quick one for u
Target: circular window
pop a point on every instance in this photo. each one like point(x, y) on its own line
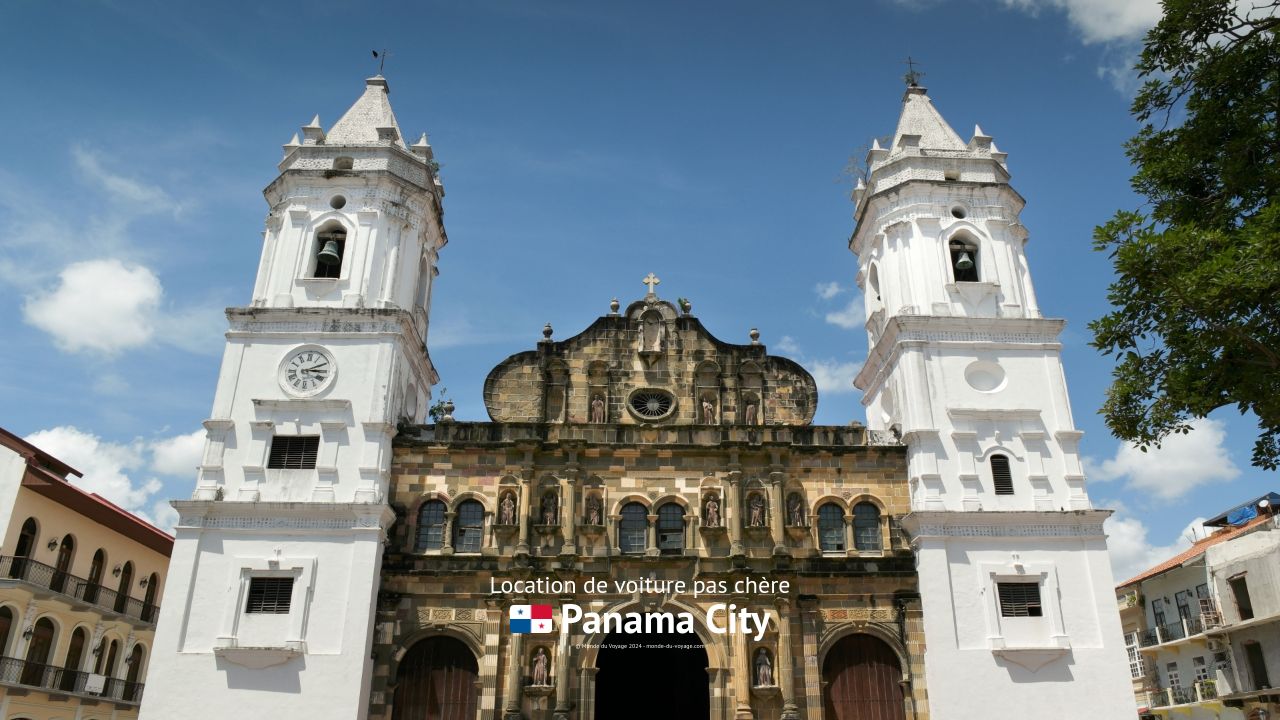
point(958, 212)
point(985, 376)
point(651, 404)
point(337, 202)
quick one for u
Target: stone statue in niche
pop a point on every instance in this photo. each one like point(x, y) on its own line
point(597, 409)
point(507, 510)
point(593, 510)
point(711, 513)
point(795, 508)
point(654, 334)
point(541, 670)
point(708, 412)
point(749, 413)
point(549, 514)
point(764, 669)
point(756, 518)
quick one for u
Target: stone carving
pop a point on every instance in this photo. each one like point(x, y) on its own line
point(708, 412)
point(507, 510)
point(749, 413)
point(597, 409)
point(655, 332)
point(550, 516)
point(756, 517)
point(711, 512)
point(764, 669)
point(541, 674)
point(594, 510)
point(795, 509)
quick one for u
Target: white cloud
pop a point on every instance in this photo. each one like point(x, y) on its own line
point(149, 198)
point(178, 455)
point(118, 471)
point(98, 305)
point(1131, 551)
point(1180, 464)
point(850, 317)
point(828, 290)
point(788, 345)
point(1099, 21)
point(833, 377)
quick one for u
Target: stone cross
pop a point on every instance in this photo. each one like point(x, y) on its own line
point(651, 280)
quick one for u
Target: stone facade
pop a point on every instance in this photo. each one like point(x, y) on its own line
point(569, 483)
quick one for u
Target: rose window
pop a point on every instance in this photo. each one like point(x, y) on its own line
point(651, 404)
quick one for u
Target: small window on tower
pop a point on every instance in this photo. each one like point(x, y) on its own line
point(1001, 476)
point(293, 452)
point(1019, 599)
point(964, 260)
point(329, 246)
point(271, 595)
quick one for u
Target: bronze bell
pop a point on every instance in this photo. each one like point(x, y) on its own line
point(964, 262)
point(329, 255)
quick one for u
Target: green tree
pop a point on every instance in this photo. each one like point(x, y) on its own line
point(1195, 323)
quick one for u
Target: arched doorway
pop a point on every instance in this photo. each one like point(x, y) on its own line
point(22, 551)
point(437, 681)
point(862, 680)
point(629, 665)
point(122, 595)
point(62, 567)
point(75, 657)
point(38, 650)
point(95, 576)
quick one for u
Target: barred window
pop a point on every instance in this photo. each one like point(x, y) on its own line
point(671, 529)
point(1001, 477)
point(633, 528)
point(269, 595)
point(1137, 666)
point(831, 528)
point(866, 526)
point(468, 527)
point(430, 526)
point(1019, 599)
point(294, 452)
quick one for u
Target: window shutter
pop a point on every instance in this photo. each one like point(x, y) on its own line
point(1019, 599)
point(269, 595)
point(1001, 476)
point(294, 452)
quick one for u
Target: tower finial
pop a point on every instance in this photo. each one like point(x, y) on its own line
point(381, 57)
point(913, 75)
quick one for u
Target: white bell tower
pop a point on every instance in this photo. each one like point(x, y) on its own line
point(274, 575)
point(1015, 580)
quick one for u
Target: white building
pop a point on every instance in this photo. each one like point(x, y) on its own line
point(1015, 579)
point(269, 608)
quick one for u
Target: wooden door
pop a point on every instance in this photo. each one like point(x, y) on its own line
point(862, 680)
point(437, 681)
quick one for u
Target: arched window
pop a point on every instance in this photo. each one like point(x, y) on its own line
point(671, 529)
point(6, 624)
point(866, 526)
point(330, 243)
point(134, 661)
point(468, 527)
point(95, 576)
point(22, 551)
point(964, 259)
point(1001, 477)
point(38, 652)
point(75, 656)
point(122, 594)
point(149, 601)
point(106, 664)
point(430, 526)
point(831, 528)
point(62, 566)
point(437, 679)
point(873, 281)
point(633, 529)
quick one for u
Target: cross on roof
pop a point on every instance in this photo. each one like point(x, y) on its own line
point(913, 76)
point(651, 280)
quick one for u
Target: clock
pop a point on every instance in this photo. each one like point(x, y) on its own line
point(307, 371)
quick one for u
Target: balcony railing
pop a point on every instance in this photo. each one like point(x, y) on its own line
point(61, 680)
point(1200, 691)
point(64, 583)
point(1179, 629)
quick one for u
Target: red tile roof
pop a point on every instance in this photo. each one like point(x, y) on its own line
point(1196, 550)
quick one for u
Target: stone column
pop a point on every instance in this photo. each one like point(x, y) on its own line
point(522, 516)
point(731, 512)
point(810, 625)
point(849, 548)
point(741, 672)
point(511, 691)
point(652, 549)
point(562, 675)
point(779, 512)
point(786, 674)
point(569, 512)
point(612, 532)
point(446, 541)
point(587, 693)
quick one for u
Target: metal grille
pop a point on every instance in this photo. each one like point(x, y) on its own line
point(294, 452)
point(651, 404)
point(1019, 599)
point(1000, 475)
point(269, 595)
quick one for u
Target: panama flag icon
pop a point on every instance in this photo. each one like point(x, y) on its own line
point(531, 618)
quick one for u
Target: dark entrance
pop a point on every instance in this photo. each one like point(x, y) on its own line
point(437, 681)
point(652, 676)
point(862, 680)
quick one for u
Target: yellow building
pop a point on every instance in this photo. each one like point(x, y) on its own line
point(79, 583)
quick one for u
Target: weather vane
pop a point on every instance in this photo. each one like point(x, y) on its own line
point(913, 75)
point(381, 57)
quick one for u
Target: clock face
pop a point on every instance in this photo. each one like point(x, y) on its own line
point(307, 371)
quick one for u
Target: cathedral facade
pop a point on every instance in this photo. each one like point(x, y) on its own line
point(649, 524)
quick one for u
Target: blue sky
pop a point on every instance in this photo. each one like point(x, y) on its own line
point(583, 145)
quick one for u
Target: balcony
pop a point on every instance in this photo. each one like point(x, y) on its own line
point(1201, 691)
point(47, 577)
point(1182, 629)
point(70, 682)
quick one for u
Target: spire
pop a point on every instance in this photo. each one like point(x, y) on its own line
point(370, 120)
point(922, 125)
